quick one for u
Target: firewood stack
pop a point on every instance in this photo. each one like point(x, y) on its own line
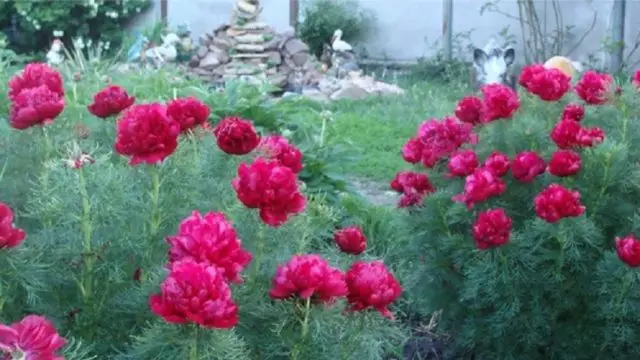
point(251, 50)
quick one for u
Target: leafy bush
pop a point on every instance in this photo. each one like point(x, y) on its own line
point(529, 285)
point(322, 17)
point(96, 228)
point(30, 25)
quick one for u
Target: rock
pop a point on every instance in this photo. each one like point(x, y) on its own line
point(299, 59)
point(294, 46)
point(250, 38)
point(249, 48)
point(254, 26)
point(209, 61)
point(278, 80)
point(274, 58)
point(350, 91)
point(249, 56)
point(315, 94)
point(246, 7)
point(202, 51)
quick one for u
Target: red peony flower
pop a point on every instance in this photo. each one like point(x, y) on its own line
point(436, 140)
point(188, 112)
point(557, 202)
point(462, 163)
point(371, 285)
point(573, 112)
point(469, 110)
point(35, 106)
point(570, 134)
point(497, 163)
point(32, 338)
point(34, 75)
point(270, 187)
point(628, 249)
point(549, 85)
point(588, 137)
point(564, 163)
point(414, 186)
point(351, 240)
point(308, 276)
point(527, 165)
point(278, 148)
point(10, 236)
point(110, 101)
point(210, 239)
point(594, 88)
point(480, 186)
point(197, 293)
point(491, 229)
point(236, 136)
point(500, 102)
point(635, 79)
point(528, 72)
point(146, 134)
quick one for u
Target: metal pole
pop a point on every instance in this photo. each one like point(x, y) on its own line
point(617, 35)
point(164, 12)
point(294, 13)
point(447, 29)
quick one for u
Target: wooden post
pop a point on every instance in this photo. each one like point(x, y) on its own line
point(164, 12)
point(294, 13)
point(617, 35)
point(447, 29)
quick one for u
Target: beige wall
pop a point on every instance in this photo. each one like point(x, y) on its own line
point(407, 28)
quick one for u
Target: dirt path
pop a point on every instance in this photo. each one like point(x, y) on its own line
point(377, 193)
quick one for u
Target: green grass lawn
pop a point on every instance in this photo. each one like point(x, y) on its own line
point(378, 127)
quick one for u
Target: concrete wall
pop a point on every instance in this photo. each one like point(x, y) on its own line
point(408, 28)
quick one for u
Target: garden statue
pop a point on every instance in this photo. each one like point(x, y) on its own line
point(167, 52)
point(343, 59)
point(337, 44)
point(492, 65)
point(136, 51)
point(185, 46)
point(54, 56)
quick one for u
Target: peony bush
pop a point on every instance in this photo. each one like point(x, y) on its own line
point(135, 224)
point(524, 210)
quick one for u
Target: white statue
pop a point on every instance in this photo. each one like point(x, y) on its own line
point(54, 56)
point(167, 52)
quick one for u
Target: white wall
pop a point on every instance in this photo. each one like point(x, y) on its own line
point(405, 24)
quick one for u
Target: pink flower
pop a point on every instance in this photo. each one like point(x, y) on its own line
point(462, 163)
point(32, 338)
point(469, 110)
point(498, 163)
point(491, 229)
point(189, 112)
point(557, 202)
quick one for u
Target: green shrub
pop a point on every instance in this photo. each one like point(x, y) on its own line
point(30, 24)
point(322, 17)
point(555, 290)
point(103, 215)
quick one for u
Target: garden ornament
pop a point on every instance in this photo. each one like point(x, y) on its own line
point(337, 44)
point(54, 55)
point(136, 50)
point(167, 52)
point(566, 65)
point(492, 65)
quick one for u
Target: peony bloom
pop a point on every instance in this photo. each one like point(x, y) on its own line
point(500, 102)
point(549, 85)
point(567, 134)
point(188, 112)
point(481, 185)
point(462, 163)
point(35, 106)
point(528, 73)
point(270, 187)
point(557, 202)
point(110, 101)
point(527, 165)
point(635, 79)
point(32, 338)
point(236, 136)
point(595, 88)
point(436, 140)
point(10, 236)
point(308, 276)
point(628, 249)
point(197, 293)
point(146, 134)
point(210, 239)
point(470, 110)
point(371, 285)
point(351, 240)
point(588, 137)
point(278, 148)
point(413, 186)
point(35, 75)
point(491, 229)
point(573, 112)
point(564, 163)
point(497, 163)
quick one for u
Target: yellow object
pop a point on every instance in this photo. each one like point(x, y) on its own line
point(563, 64)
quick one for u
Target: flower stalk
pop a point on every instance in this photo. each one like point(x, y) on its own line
point(87, 231)
point(305, 330)
point(193, 352)
point(155, 197)
point(258, 254)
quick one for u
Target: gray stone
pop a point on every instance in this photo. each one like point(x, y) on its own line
point(299, 59)
point(209, 61)
point(294, 46)
point(349, 91)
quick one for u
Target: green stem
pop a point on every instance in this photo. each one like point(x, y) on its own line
point(305, 330)
point(194, 145)
point(258, 254)
point(155, 196)
point(625, 121)
point(605, 185)
point(627, 283)
point(87, 230)
point(193, 352)
point(322, 131)
point(48, 148)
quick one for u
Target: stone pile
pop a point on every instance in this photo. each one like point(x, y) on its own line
point(251, 50)
point(354, 86)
